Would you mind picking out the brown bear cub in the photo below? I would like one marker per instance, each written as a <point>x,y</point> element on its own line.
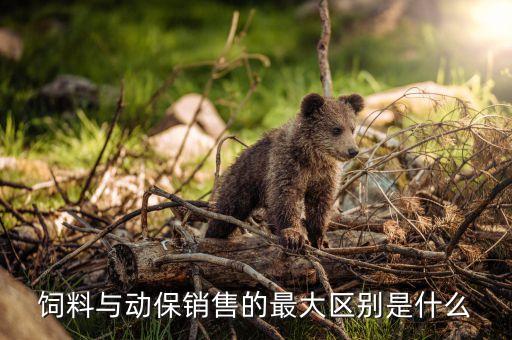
<point>292,168</point>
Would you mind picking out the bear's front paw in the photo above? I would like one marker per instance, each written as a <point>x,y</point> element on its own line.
<point>293,239</point>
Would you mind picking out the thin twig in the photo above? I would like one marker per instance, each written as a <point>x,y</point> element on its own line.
<point>119,109</point>
<point>61,192</point>
<point>14,185</point>
<point>218,159</point>
<point>94,231</point>
<point>196,279</point>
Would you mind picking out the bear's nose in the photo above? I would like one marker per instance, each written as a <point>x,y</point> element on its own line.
<point>353,152</point>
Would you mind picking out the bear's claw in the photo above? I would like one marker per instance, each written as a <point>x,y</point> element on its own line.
<point>293,239</point>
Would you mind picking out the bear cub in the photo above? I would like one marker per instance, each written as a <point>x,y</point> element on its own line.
<point>291,170</point>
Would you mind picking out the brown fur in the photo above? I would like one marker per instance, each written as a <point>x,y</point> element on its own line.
<point>292,168</point>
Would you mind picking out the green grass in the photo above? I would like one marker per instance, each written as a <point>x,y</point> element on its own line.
<point>295,329</point>
<point>12,137</point>
<point>141,43</point>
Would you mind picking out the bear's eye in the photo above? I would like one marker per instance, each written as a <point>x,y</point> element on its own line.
<point>337,131</point>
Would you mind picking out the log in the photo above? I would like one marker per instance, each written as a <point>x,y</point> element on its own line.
<point>133,264</point>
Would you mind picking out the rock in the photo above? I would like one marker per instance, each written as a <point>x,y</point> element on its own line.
<point>21,314</point>
<point>167,143</point>
<point>377,117</point>
<point>11,45</point>
<point>422,101</point>
<point>183,110</point>
<point>68,92</point>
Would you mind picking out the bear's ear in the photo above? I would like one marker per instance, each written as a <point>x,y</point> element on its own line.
<point>354,100</point>
<point>311,103</point>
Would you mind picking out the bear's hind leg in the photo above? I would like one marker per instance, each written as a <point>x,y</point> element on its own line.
<point>239,206</point>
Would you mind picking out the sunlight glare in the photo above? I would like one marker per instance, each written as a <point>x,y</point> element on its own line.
<point>494,20</point>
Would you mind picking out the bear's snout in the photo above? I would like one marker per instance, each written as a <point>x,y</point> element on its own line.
<point>352,152</point>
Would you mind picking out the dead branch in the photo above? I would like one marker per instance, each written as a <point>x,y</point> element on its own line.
<point>61,192</point>
<point>14,212</point>
<point>323,49</point>
<point>324,280</point>
<point>471,217</point>
<point>389,248</point>
<point>218,160</point>
<point>194,323</point>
